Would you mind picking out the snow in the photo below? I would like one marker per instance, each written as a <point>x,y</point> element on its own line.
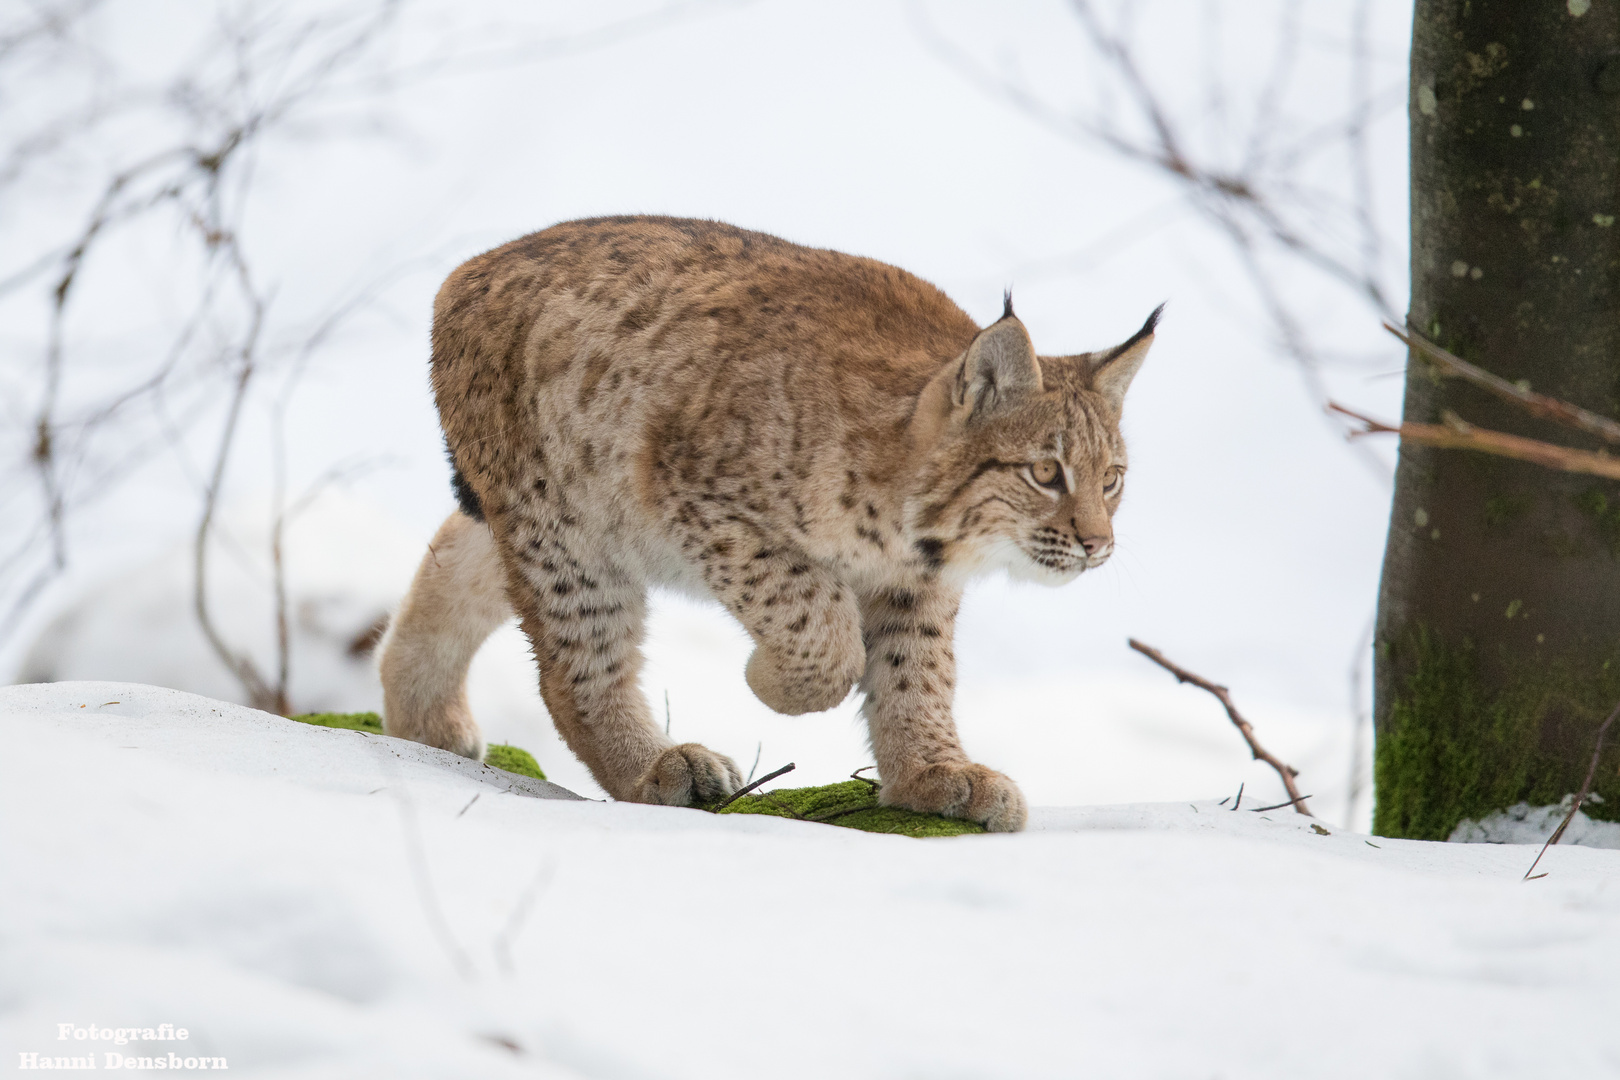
<point>1522,823</point>
<point>346,564</point>
<point>318,903</point>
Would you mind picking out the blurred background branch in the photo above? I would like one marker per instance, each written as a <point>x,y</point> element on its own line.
<point>1292,192</point>
<point>165,151</point>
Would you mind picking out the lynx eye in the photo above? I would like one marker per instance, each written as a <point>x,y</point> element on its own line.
<point>1047,474</point>
<point>1113,480</point>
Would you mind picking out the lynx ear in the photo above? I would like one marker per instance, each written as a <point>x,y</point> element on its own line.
<point>999,367</point>
<point>1112,371</point>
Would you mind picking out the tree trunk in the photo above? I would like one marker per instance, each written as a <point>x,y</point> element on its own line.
<point>1499,613</point>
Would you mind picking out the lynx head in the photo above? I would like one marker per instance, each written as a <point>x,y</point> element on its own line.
<point>1021,460</point>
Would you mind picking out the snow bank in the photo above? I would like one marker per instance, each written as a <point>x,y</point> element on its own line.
<point>346,565</point>
<point>318,903</point>
<point>1522,823</point>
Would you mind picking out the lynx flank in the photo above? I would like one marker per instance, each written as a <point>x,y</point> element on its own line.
<point>826,445</point>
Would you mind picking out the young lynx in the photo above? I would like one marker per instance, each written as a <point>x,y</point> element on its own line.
<point>826,445</point>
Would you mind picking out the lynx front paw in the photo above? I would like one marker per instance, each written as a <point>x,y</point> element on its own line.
<point>687,775</point>
<point>960,790</point>
<point>807,687</point>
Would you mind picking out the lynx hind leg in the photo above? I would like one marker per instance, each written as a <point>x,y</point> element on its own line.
<point>585,620</point>
<point>456,601</point>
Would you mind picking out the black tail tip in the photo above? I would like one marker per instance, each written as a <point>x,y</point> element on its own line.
<point>466,497</point>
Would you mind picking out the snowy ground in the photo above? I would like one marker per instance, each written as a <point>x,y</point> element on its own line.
<point>318,903</point>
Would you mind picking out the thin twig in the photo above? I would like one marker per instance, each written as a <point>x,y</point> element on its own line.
<point>740,792</point>
<point>416,856</point>
<point>1279,806</point>
<point>856,775</point>
<point>1540,405</point>
<point>1237,802</point>
<point>1458,434</point>
<point>780,805</point>
<point>260,694</point>
<point>1580,796</point>
<point>1224,696</point>
<point>502,945</point>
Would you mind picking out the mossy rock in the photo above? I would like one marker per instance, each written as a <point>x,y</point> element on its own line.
<point>349,721</point>
<point>500,756</point>
<point>513,759</point>
<point>852,804</point>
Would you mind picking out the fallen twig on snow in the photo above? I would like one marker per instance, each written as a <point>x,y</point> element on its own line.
<point>740,792</point>
<point>1224,696</point>
<point>1279,806</point>
<point>1580,796</point>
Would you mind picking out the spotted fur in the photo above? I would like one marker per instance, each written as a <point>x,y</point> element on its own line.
<point>825,444</point>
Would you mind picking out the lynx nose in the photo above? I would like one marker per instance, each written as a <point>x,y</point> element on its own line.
<point>1098,547</point>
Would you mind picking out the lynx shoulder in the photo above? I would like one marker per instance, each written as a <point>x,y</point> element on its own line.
<point>824,444</point>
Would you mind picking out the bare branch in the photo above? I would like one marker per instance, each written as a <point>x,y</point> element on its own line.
<point>182,147</point>
<point>1538,405</point>
<point>1278,806</point>
<point>1457,434</point>
<point>1224,696</point>
<point>740,792</point>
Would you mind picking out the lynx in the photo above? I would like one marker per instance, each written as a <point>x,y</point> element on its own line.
<point>825,444</point>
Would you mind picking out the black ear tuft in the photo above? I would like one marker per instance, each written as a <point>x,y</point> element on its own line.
<point>1006,305</point>
<point>1147,330</point>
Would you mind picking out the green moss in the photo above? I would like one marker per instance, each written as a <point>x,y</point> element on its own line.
<point>1596,506</point>
<point>1501,511</point>
<point>1452,749</point>
<point>1562,545</point>
<point>852,804</point>
<point>513,759</point>
<point>500,756</point>
<point>354,721</point>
